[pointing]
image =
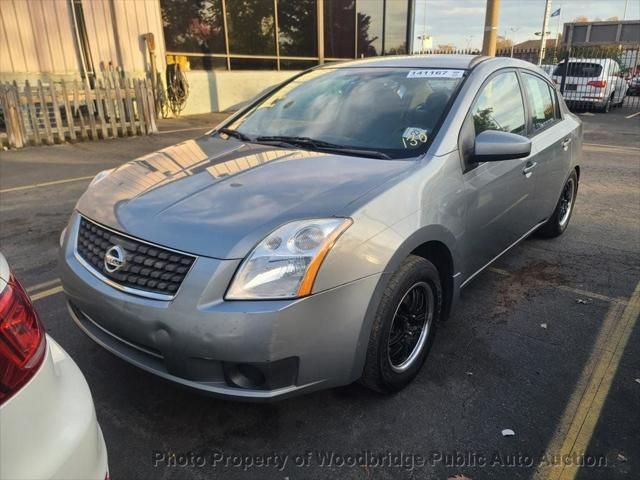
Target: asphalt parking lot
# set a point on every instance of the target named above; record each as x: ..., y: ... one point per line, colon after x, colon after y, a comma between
x: 545, y: 343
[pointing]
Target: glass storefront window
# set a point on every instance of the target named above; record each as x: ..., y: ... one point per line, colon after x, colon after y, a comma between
x: 297, y: 28
x: 297, y: 64
x: 251, y: 27
x: 352, y: 29
x: 207, y: 63
x: 339, y: 28
x: 252, y: 64
x: 194, y: 26
x: 395, y: 30
x: 370, y: 20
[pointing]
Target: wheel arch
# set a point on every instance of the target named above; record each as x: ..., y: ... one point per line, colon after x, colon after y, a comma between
x: 439, y: 254
x: 431, y: 242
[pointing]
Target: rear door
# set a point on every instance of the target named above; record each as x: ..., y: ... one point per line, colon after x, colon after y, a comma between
x: 498, y: 193
x: 551, y: 137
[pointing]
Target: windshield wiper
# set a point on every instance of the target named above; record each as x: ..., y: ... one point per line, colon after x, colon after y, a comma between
x: 321, y: 145
x: 235, y: 133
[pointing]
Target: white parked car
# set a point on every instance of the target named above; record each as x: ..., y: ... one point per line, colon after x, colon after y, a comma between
x: 48, y: 427
x: 592, y: 82
x: 548, y: 68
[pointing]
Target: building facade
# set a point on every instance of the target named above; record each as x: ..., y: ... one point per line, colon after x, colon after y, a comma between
x: 622, y: 32
x: 229, y: 49
x: 52, y: 39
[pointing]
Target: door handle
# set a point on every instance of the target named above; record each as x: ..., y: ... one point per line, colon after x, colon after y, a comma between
x: 528, y: 169
x: 565, y: 144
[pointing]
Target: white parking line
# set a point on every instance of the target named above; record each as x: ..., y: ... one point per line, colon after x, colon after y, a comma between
x: 45, y: 184
x: 603, y: 145
x: 632, y: 115
x: 189, y: 129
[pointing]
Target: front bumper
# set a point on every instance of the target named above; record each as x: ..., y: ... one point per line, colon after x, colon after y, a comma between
x: 252, y: 350
x: 49, y: 428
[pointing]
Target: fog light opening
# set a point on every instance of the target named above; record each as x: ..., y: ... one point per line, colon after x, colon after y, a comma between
x: 245, y: 376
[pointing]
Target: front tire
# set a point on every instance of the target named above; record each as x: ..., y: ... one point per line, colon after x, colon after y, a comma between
x: 404, y: 326
x: 559, y: 220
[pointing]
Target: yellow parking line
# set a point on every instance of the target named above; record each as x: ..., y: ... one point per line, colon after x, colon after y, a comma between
x: 45, y: 184
x: 581, y: 415
x: 39, y: 286
x: 46, y: 293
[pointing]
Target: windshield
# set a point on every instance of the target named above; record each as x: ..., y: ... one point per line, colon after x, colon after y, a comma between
x: 394, y: 111
x: 579, y: 69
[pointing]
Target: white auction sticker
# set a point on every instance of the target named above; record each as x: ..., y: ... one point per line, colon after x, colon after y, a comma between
x: 432, y: 73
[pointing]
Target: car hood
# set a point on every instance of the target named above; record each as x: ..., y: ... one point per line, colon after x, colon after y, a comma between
x: 219, y: 198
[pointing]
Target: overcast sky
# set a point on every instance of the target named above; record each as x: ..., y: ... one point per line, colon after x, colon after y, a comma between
x: 461, y: 22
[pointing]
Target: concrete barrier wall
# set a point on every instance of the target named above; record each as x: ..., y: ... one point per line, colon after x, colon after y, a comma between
x: 218, y: 91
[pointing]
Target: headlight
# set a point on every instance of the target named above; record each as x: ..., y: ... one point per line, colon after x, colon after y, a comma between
x: 286, y: 262
x: 101, y: 176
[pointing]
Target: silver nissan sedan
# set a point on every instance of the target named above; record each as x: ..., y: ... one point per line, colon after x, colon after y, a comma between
x: 321, y: 234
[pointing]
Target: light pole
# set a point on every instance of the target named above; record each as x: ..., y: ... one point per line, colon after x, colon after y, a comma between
x: 513, y: 36
x: 543, y: 36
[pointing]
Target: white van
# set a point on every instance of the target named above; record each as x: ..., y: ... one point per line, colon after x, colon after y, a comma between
x: 592, y: 82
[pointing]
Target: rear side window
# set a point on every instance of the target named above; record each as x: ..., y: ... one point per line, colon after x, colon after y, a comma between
x: 541, y: 105
x: 579, y: 69
x: 499, y: 106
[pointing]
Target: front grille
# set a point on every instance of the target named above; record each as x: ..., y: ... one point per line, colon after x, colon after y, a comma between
x: 148, y: 268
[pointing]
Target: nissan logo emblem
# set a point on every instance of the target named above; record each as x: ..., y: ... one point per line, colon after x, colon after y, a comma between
x: 114, y: 259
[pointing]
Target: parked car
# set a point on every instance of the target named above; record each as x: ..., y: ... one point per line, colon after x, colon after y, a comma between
x: 48, y: 423
x: 591, y: 82
x: 634, y: 86
x: 319, y: 236
x: 548, y: 69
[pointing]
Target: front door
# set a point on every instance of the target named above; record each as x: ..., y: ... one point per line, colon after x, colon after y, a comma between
x: 498, y: 193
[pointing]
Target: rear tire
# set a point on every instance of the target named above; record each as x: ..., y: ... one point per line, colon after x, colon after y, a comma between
x: 559, y: 220
x: 404, y: 326
x: 606, y: 108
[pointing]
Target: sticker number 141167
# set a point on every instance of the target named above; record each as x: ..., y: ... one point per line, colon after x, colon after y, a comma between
x: 435, y: 73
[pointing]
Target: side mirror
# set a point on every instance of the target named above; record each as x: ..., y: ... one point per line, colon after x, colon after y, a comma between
x: 494, y: 145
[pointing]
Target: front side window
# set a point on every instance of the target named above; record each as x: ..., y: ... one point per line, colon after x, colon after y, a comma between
x: 543, y: 111
x: 394, y: 111
x: 499, y: 106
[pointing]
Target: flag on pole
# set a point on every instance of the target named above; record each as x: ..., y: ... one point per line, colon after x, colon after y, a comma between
x: 556, y: 13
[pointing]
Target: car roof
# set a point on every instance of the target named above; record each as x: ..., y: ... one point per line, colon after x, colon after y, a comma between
x: 600, y: 61
x: 431, y: 61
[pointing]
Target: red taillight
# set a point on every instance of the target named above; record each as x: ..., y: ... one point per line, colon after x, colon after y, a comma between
x: 597, y: 83
x: 22, y: 339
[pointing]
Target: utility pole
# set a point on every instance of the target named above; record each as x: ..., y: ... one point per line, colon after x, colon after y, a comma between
x: 320, y: 28
x: 491, y: 28
x: 543, y: 35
